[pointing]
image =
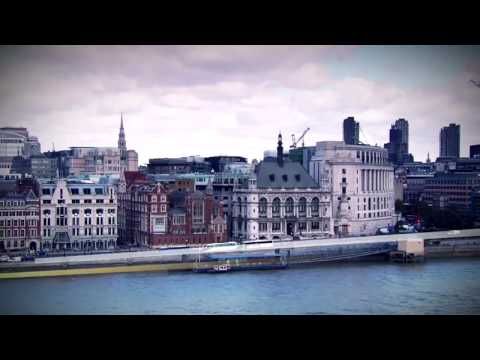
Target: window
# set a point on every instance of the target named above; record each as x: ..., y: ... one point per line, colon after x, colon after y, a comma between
x: 315, y: 225
x: 289, y: 206
x: 197, y: 212
x: 163, y: 208
x: 302, y: 226
x: 276, y: 226
x: 302, y: 205
x: 262, y: 207
x: 99, y: 201
x: 98, y: 191
x: 87, y: 201
x: 47, y: 201
x: 276, y: 207
x: 178, y: 220
x: 314, y: 205
x: 74, y: 191
x: 45, y: 191
x: 76, y: 201
x: 86, y: 191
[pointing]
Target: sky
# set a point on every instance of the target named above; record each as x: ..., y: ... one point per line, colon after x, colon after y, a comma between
x: 234, y: 100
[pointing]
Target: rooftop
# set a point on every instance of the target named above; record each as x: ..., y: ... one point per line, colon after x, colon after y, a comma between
x: 289, y: 176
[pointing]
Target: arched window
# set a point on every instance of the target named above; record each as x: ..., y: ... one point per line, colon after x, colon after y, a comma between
x: 239, y: 205
x: 302, y: 206
x: 276, y: 207
x: 289, y: 206
x: 314, y: 206
x: 262, y: 207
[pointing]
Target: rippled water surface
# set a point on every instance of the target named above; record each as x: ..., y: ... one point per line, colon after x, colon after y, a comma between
x: 450, y: 286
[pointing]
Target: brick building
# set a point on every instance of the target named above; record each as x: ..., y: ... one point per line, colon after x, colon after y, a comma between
x: 151, y: 214
x: 19, y: 221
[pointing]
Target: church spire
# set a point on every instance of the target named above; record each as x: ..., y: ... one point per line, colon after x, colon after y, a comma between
x: 122, y: 143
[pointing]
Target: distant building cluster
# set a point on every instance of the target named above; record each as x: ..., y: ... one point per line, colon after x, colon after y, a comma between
x: 90, y: 198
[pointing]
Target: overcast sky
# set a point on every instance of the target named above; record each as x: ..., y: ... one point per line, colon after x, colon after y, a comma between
x: 233, y: 100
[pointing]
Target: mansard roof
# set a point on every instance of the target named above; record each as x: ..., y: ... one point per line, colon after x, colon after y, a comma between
x: 289, y: 176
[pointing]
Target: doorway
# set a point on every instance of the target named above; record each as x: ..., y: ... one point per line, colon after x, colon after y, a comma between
x: 290, y: 229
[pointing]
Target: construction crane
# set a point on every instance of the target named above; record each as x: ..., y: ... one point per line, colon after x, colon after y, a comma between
x: 294, y: 143
x: 476, y: 83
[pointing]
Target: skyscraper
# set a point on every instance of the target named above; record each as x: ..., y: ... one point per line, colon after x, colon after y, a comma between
x: 351, y: 130
x: 402, y: 124
x: 450, y: 141
x: 395, y: 153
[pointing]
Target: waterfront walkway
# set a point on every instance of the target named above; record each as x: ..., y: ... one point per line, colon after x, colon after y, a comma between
x: 172, y: 255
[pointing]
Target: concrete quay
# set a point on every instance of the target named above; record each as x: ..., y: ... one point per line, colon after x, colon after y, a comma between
x: 297, y: 252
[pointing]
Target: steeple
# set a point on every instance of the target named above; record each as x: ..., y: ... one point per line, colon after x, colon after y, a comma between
x: 122, y: 144
x: 280, y: 150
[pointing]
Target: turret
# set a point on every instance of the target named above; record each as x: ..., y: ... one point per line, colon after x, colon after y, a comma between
x: 280, y: 150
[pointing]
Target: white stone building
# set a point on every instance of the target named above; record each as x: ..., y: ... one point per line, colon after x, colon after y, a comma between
x: 78, y: 214
x: 280, y: 200
x: 361, y: 181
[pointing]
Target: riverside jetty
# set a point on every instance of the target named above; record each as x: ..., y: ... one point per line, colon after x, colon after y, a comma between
x: 433, y: 244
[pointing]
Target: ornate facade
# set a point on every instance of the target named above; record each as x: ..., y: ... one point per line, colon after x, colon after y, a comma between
x: 78, y: 214
x: 280, y: 201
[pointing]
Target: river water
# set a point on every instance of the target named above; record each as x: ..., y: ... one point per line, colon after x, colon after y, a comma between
x: 438, y: 286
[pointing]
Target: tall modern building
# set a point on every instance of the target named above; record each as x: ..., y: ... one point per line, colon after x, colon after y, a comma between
x: 402, y: 125
x: 394, y: 147
x: 398, y: 146
x: 450, y: 141
x: 351, y: 131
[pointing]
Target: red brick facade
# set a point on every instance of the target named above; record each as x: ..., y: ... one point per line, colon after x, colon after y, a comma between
x: 153, y: 215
